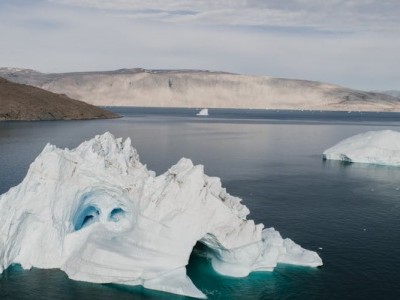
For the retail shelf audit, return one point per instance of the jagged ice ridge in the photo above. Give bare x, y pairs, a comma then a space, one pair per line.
99, 215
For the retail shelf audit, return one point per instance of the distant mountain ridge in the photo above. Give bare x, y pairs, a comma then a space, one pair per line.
23, 102
196, 88
393, 93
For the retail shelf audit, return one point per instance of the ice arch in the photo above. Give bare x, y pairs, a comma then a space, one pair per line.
98, 214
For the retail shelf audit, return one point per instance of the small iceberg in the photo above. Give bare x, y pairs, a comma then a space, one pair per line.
203, 112
372, 147
97, 213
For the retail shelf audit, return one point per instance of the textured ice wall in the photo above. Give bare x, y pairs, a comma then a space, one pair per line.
98, 214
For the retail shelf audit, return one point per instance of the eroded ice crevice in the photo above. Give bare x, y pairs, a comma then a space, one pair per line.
98, 214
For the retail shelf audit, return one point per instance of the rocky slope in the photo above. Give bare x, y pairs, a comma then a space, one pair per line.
23, 102
190, 88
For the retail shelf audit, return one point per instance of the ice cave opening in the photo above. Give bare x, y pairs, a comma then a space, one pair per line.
116, 214
199, 265
87, 216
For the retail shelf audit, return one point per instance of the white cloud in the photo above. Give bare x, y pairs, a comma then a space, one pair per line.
324, 15
277, 38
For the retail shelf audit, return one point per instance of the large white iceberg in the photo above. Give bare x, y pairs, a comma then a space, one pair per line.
99, 215
375, 147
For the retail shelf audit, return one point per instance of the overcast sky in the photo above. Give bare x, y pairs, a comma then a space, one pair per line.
355, 43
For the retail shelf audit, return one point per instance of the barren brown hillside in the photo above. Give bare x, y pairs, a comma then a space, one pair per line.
24, 102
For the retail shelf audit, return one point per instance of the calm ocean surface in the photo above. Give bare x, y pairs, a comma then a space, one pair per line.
348, 213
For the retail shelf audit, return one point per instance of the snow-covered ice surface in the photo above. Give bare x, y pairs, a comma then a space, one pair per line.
99, 215
373, 147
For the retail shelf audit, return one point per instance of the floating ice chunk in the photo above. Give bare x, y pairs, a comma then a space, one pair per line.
374, 147
99, 215
203, 112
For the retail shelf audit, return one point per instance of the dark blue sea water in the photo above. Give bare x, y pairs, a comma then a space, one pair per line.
348, 213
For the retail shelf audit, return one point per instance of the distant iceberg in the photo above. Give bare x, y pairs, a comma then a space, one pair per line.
373, 147
203, 112
99, 215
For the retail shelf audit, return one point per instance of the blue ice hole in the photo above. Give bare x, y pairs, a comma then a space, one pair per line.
87, 216
116, 214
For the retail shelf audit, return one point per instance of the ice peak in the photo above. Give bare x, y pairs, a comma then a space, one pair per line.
110, 150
